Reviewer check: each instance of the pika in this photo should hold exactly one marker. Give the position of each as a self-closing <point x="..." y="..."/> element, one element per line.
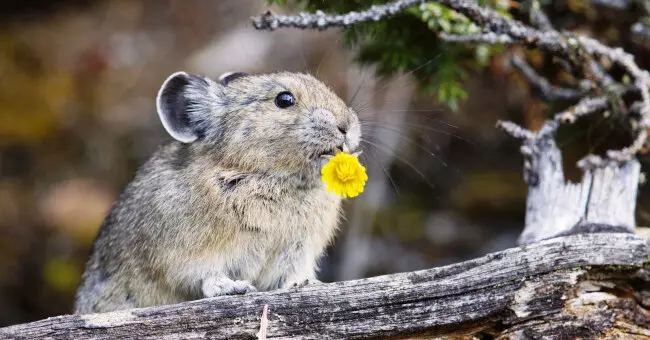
<point x="234" y="203"/>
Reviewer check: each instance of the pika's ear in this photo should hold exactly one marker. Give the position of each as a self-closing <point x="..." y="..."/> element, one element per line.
<point x="227" y="77"/>
<point x="181" y="101"/>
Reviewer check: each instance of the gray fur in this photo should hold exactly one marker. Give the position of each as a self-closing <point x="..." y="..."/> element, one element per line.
<point x="234" y="204"/>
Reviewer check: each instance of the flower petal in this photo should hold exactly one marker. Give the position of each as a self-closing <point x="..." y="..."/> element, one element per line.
<point x="344" y="175"/>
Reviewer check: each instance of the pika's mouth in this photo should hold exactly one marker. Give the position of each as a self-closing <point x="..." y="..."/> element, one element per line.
<point x="341" y="148"/>
<point x="327" y="154"/>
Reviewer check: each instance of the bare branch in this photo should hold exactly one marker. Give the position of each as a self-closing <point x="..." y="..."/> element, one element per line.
<point x="538" y="18"/>
<point x="515" y="130"/>
<point x="585" y="107"/>
<point x="320" y="20"/>
<point x="641" y="82"/>
<point x="641" y="77"/>
<point x="491" y="21"/>
<point x="616" y="4"/>
<point x="484" y="38"/>
<point x="627" y="153"/>
<point x="604" y="79"/>
<point x="592" y="161"/>
<point x="641" y="32"/>
<point x="547" y="91"/>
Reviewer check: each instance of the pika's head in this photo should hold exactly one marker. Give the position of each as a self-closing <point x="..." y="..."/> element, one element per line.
<point x="285" y="122"/>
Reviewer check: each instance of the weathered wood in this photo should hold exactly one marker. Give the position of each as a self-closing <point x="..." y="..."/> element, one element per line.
<point x="554" y="286"/>
<point x="604" y="200"/>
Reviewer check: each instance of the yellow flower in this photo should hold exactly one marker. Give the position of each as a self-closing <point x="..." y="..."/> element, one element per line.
<point x="344" y="175"/>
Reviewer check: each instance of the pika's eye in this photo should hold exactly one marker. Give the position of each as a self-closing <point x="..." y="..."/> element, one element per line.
<point x="284" y="100"/>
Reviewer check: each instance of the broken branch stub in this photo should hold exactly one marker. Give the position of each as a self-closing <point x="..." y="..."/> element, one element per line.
<point x="603" y="201"/>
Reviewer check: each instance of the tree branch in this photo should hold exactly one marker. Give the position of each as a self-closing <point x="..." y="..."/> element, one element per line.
<point x="641" y="32"/>
<point x="538" y="18"/>
<point x="320" y="20"/>
<point x="505" y="292"/>
<point x="489" y="38"/>
<point x="546" y="90"/>
<point x="577" y="52"/>
<point x="616" y="4"/>
<point x="585" y="107"/>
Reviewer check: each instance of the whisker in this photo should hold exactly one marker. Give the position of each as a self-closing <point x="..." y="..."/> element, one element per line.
<point x="356" y="92"/>
<point x="433" y="120"/>
<point x="434" y="111"/>
<point x="441" y="122"/>
<point x="383" y="168"/>
<point x="379" y="125"/>
<point x="388" y="83"/>
<point x="381" y="147"/>
<point x="423" y="148"/>
<point x="305" y="64"/>
<point x="325" y="56"/>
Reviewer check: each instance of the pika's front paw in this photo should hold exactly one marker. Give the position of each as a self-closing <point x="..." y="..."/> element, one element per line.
<point x="225" y="286"/>
<point x="305" y="283"/>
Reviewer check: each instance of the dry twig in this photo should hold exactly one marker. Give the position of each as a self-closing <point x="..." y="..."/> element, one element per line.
<point x="546" y="90"/>
<point x="483" y="38"/>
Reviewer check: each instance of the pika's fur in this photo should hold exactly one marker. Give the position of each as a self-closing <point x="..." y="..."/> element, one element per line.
<point x="234" y="204"/>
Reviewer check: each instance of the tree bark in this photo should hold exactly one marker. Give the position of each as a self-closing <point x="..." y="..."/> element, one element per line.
<point x="592" y="285"/>
<point x="603" y="201"/>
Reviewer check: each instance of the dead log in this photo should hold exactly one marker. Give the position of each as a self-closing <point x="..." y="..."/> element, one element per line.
<point x="592" y="285"/>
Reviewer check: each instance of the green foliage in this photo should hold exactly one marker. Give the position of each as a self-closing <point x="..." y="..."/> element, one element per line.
<point x="440" y="18"/>
<point x="408" y="42"/>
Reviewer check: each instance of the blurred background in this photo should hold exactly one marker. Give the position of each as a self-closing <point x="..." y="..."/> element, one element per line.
<point x="78" y="80"/>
